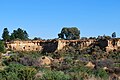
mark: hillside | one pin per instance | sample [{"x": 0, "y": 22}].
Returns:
[{"x": 74, "y": 61}]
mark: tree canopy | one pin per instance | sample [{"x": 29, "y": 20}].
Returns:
[
  {"x": 19, "y": 34},
  {"x": 16, "y": 34},
  {"x": 5, "y": 35},
  {"x": 69, "y": 33},
  {"x": 113, "y": 34}
]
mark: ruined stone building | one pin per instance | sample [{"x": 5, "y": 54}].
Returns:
[{"x": 54, "y": 45}]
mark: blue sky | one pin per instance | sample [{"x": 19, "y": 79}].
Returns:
[{"x": 46, "y": 18}]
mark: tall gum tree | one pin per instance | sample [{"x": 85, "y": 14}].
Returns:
[{"x": 5, "y": 35}]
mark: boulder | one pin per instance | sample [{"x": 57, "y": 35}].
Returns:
[
  {"x": 90, "y": 65},
  {"x": 44, "y": 60}
]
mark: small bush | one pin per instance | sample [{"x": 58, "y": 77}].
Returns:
[
  {"x": 55, "y": 75},
  {"x": 17, "y": 71},
  {"x": 101, "y": 73},
  {"x": 2, "y": 46}
]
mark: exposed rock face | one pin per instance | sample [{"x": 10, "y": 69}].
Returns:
[
  {"x": 109, "y": 44},
  {"x": 24, "y": 45},
  {"x": 113, "y": 44},
  {"x": 56, "y": 45},
  {"x": 46, "y": 46},
  {"x": 73, "y": 43}
]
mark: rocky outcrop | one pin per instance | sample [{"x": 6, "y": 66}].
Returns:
[
  {"x": 56, "y": 45},
  {"x": 46, "y": 46},
  {"x": 24, "y": 45},
  {"x": 113, "y": 44}
]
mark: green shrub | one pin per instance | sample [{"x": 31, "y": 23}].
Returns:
[
  {"x": 80, "y": 72},
  {"x": 17, "y": 71},
  {"x": 55, "y": 75},
  {"x": 9, "y": 76},
  {"x": 79, "y": 75},
  {"x": 2, "y": 46},
  {"x": 101, "y": 73}
]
